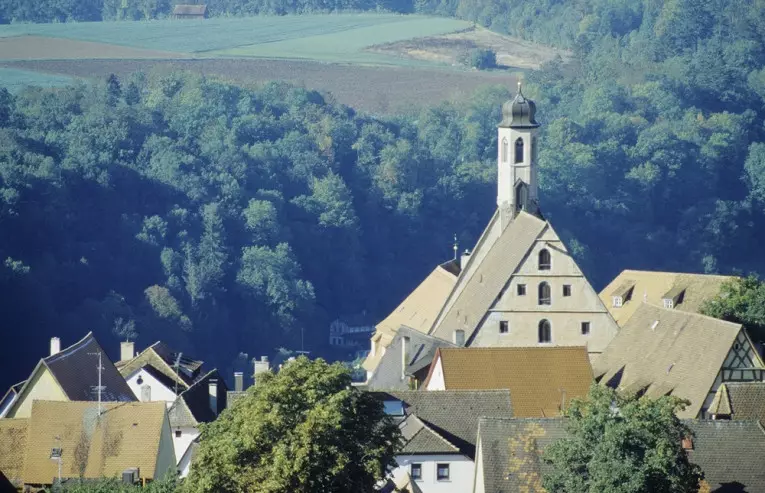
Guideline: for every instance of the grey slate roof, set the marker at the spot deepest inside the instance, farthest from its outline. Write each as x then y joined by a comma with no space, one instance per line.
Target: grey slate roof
422,347
192,406
422,439
730,452
75,369
453,414
511,452
741,400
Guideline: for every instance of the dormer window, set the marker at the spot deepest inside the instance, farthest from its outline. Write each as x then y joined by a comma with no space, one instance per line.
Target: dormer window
669,303
617,301
504,151
545,260
519,150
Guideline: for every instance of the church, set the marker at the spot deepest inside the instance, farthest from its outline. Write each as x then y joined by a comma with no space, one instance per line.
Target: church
519,286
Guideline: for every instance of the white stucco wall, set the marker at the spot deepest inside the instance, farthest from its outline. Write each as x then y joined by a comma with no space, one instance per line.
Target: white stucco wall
461,470
478,483
181,444
158,390
436,381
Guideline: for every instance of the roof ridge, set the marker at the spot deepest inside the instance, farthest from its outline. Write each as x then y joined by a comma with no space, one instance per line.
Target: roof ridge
692,314
81,341
728,276
521,418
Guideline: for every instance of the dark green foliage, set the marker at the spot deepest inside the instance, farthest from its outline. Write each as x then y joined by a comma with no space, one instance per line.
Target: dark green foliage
115,485
480,58
621,444
303,430
741,301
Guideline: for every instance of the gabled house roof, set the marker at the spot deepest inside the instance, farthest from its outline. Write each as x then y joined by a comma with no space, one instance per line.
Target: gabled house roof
452,416
418,311
390,372
13,445
478,288
688,291
665,351
125,435
729,453
192,406
75,370
10,397
161,358
740,400
541,380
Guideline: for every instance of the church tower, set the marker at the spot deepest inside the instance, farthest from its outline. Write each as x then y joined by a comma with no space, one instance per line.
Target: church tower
517,159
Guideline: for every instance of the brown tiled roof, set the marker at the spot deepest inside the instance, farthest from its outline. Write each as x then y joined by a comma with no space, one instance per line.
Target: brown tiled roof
13,442
418,310
653,286
741,400
126,435
487,281
665,350
540,379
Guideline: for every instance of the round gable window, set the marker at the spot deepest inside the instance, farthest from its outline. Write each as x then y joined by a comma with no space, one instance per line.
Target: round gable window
139,381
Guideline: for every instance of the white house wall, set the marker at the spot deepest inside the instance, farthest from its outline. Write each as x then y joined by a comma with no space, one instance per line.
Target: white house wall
461,471
436,380
159,392
478,483
182,443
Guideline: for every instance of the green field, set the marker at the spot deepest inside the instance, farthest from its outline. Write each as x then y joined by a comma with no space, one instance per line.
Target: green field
321,37
14,79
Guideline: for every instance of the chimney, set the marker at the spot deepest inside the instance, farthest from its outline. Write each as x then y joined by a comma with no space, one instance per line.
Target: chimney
687,443
404,355
55,345
238,381
127,350
464,259
260,367
213,385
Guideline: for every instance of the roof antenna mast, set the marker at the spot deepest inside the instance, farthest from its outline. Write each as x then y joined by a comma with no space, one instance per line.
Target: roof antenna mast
100,387
177,371
456,246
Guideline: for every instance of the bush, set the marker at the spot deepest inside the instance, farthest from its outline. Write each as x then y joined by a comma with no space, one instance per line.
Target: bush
480,58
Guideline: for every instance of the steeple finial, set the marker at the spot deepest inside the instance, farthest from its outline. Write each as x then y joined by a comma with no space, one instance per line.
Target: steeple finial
456,246
520,83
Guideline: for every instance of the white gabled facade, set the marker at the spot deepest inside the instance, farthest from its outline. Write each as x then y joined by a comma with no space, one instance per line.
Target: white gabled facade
460,468
142,381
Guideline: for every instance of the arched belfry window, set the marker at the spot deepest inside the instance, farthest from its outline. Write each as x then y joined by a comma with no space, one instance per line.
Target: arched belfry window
520,196
544,294
544,259
504,150
545,332
519,150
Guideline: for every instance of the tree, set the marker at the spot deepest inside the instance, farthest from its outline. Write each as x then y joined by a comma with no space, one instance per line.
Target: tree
480,58
302,430
622,444
741,300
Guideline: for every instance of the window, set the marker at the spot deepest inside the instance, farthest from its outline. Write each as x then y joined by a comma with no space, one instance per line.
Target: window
545,332
504,328
668,303
585,328
567,290
544,293
178,433
617,301
504,151
544,259
459,337
416,472
519,150
442,472
521,290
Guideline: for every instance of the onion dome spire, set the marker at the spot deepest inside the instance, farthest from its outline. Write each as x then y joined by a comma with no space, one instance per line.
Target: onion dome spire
519,112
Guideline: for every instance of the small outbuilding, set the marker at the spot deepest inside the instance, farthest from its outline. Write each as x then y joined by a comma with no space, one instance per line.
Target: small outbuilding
190,12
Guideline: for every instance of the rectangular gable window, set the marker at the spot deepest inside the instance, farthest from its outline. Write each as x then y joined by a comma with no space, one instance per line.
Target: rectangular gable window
617,301
567,290
416,472
442,472
504,327
585,328
521,290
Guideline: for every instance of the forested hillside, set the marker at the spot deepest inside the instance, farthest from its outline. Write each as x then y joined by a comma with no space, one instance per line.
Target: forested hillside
223,219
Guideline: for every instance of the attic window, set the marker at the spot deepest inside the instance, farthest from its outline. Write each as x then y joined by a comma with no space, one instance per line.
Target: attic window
504,328
668,303
545,261
617,301
393,408
178,433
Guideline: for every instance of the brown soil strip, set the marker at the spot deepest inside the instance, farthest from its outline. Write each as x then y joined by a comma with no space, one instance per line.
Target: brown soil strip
44,48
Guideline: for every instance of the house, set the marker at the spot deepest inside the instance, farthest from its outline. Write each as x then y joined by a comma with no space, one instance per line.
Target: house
191,395
685,292
439,429
662,351
406,361
181,11
417,311
258,368
509,454
739,400
71,374
124,436
541,380
13,445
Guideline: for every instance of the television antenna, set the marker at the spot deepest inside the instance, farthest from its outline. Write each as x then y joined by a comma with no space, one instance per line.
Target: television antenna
177,367
100,388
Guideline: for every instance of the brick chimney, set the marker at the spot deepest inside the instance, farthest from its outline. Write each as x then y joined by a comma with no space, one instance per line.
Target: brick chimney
238,381
213,386
260,367
127,350
55,345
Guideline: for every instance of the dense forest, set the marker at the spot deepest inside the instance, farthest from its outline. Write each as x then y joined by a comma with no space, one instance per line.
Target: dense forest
222,218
